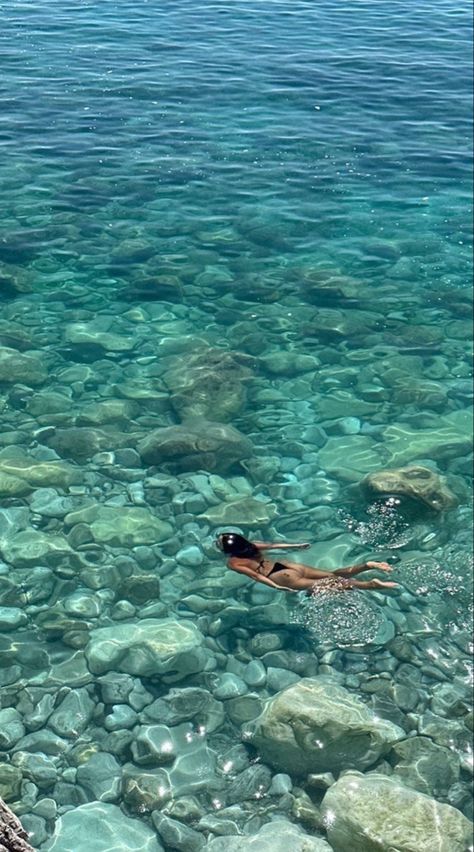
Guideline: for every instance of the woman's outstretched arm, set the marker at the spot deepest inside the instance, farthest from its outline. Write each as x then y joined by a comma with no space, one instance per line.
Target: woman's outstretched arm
280,545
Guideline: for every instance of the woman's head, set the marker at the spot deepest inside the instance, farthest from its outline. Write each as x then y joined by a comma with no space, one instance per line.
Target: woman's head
236,545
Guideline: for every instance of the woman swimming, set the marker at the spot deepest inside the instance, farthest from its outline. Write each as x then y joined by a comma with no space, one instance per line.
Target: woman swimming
246,557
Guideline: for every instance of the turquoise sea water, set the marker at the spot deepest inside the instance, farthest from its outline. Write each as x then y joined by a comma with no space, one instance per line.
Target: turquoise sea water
256,215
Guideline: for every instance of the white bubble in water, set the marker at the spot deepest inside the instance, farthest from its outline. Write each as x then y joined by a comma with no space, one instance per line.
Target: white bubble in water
339,618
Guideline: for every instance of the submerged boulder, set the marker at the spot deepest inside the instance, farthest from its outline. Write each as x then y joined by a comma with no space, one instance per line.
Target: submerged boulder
419,483
154,647
209,383
374,813
245,512
316,725
20,367
195,445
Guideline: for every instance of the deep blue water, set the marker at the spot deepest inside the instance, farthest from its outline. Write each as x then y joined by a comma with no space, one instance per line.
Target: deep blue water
269,177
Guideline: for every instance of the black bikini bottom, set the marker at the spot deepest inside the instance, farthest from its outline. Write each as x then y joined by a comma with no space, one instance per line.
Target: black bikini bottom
278,566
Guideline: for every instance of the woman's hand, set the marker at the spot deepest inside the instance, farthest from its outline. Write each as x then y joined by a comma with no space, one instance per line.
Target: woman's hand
303,546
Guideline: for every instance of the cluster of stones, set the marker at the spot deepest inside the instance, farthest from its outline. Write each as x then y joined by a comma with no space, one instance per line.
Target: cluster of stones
132,709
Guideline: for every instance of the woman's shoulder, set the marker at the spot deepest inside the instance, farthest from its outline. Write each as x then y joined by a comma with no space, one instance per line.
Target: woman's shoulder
234,561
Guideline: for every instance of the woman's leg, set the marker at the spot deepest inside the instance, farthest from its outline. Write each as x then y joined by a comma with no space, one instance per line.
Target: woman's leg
353,570
307,572
372,584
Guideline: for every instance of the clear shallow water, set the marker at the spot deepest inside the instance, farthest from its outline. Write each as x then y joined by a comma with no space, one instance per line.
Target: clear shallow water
274,179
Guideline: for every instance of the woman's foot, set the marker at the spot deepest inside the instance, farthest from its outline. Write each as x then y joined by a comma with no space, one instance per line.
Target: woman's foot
379,566
385,584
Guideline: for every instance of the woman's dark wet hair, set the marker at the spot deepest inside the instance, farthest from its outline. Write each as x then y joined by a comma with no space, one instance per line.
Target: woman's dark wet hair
236,545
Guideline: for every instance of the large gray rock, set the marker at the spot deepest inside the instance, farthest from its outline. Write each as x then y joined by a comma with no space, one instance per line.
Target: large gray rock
279,835
317,726
165,647
101,827
195,445
209,383
374,813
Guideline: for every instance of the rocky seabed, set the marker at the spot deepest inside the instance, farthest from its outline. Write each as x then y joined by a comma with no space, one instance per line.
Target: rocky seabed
151,699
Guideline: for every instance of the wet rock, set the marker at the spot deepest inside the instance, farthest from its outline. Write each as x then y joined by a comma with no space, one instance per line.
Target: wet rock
11,617
22,368
353,326
419,483
37,474
192,446
86,334
102,827
13,486
101,777
140,588
133,250
325,285
10,782
245,512
278,835
11,728
350,456
122,716
98,413
425,766
230,686
209,384
450,440
145,790
317,726
289,363
167,648
176,835
154,745
73,714
39,768
252,783
44,741
183,705
374,812
121,526
254,674
83,604
31,547
80,443
190,768
422,394
47,502
241,710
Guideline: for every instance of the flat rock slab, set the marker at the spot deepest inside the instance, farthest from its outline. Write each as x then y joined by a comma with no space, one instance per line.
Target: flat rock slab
351,456
245,512
121,526
374,813
276,836
165,647
101,827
